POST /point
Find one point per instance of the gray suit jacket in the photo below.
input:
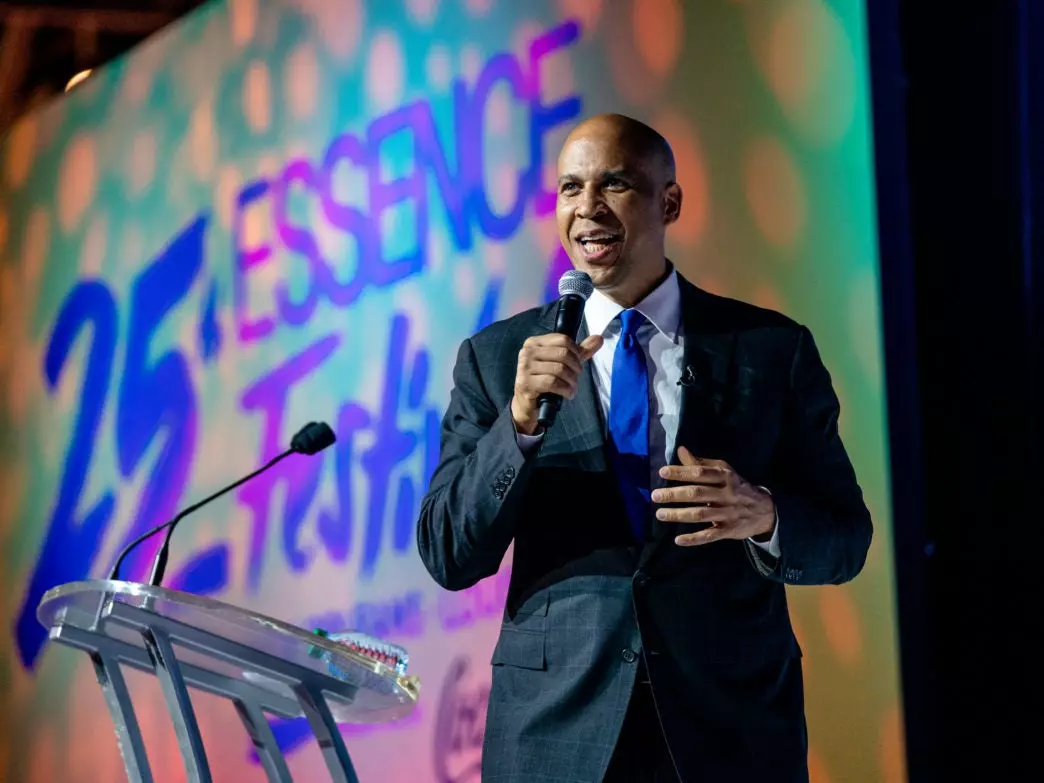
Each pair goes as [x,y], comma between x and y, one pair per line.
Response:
[585,601]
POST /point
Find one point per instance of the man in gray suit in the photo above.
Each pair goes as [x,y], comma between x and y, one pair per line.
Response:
[694,469]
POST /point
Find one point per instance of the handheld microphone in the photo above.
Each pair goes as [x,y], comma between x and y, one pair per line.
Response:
[311,439]
[574,289]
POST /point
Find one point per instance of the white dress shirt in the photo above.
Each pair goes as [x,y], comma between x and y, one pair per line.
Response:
[662,340]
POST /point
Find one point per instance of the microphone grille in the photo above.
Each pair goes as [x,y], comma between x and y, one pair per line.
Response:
[575,283]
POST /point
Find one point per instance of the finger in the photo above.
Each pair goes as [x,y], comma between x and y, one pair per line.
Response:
[685,456]
[692,514]
[559,350]
[590,346]
[560,354]
[694,474]
[549,384]
[557,369]
[700,537]
[691,493]
[555,340]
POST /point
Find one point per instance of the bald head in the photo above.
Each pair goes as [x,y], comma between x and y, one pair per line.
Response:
[616,196]
[637,138]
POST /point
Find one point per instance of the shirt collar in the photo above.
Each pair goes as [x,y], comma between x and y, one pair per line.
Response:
[662,308]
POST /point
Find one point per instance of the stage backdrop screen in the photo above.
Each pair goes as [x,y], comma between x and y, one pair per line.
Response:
[280,212]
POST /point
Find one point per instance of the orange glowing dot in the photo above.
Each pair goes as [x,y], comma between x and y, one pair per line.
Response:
[659,29]
[142,161]
[586,12]
[257,97]
[840,619]
[817,768]
[691,176]
[76,181]
[892,747]
[301,85]
[775,192]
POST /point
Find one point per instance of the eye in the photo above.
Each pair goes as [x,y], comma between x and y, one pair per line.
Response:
[567,187]
[615,183]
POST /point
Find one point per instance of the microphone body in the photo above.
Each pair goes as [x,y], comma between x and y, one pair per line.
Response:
[574,288]
[312,438]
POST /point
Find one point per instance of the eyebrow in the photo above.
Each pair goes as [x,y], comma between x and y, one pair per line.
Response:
[619,171]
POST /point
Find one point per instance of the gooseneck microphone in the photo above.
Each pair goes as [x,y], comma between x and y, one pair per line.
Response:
[574,289]
[311,439]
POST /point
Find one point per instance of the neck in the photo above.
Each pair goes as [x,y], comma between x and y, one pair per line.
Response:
[631,292]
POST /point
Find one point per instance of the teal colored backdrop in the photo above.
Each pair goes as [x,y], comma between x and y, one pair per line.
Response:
[289,211]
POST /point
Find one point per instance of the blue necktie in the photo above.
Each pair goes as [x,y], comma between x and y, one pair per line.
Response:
[629,422]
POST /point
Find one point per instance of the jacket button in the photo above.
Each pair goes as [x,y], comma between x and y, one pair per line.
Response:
[641,579]
[629,656]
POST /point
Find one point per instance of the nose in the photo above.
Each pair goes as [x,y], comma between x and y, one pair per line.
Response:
[590,203]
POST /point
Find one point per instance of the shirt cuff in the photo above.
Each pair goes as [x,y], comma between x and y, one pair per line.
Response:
[772,545]
[527,443]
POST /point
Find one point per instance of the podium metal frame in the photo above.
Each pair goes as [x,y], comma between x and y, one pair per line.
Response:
[159,636]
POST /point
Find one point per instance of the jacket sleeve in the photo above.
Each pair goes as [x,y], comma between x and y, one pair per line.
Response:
[824,524]
[469,514]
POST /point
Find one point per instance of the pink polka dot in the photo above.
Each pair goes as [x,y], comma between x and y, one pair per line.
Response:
[464,285]
[546,233]
[586,12]
[691,175]
[302,81]
[775,193]
[385,70]
[504,190]
[470,63]
[523,37]
[242,21]
[339,25]
[141,70]
[76,181]
[202,141]
[142,161]
[439,68]
[633,79]
[498,111]
[35,248]
[659,29]
[21,150]
[478,8]
[92,251]
[422,11]
[257,97]
[495,256]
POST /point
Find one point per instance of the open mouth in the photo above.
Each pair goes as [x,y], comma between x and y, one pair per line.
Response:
[599,246]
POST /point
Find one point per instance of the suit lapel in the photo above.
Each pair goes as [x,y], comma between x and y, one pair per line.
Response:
[579,429]
[706,391]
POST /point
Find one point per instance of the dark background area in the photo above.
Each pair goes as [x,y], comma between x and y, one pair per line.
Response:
[44,42]
[959,128]
[959,107]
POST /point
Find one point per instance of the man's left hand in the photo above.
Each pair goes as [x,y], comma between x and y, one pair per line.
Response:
[718,495]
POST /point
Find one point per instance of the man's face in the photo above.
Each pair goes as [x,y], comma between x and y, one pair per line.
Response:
[613,207]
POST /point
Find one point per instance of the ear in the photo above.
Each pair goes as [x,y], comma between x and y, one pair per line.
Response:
[672,202]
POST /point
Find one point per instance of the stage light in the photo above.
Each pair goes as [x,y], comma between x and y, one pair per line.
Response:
[77,79]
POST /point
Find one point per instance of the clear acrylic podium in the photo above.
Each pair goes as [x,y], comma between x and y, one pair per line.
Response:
[262,665]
